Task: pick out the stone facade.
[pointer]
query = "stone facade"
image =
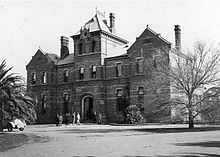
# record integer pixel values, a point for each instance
(101, 71)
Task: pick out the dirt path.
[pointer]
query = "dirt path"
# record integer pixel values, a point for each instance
(127, 141)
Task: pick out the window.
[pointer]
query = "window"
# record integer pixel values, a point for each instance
(140, 90)
(66, 75)
(33, 78)
(140, 65)
(119, 93)
(44, 104)
(93, 46)
(44, 77)
(81, 73)
(80, 48)
(65, 97)
(93, 71)
(118, 69)
(147, 40)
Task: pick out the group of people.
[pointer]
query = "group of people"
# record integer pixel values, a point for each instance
(68, 119)
(75, 118)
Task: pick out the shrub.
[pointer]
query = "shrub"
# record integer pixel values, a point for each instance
(133, 115)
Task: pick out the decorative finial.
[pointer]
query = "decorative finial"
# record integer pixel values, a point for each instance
(96, 8)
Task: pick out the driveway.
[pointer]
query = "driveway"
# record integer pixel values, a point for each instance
(109, 141)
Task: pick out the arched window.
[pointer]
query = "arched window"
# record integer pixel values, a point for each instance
(93, 46)
(80, 48)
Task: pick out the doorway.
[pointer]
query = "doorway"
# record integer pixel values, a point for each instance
(87, 107)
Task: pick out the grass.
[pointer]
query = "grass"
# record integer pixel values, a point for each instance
(10, 141)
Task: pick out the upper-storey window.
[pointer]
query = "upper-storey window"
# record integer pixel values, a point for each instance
(119, 92)
(81, 73)
(93, 46)
(118, 69)
(44, 77)
(93, 71)
(65, 96)
(140, 90)
(66, 75)
(33, 78)
(140, 65)
(80, 48)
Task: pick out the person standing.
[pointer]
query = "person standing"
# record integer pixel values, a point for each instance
(74, 117)
(57, 120)
(78, 118)
(94, 117)
(99, 118)
(60, 120)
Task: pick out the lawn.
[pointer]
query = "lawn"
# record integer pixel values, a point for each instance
(10, 141)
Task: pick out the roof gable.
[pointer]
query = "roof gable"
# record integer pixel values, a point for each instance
(42, 57)
(148, 36)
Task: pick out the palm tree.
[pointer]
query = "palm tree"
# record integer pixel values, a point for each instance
(21, 104)
(14, 101)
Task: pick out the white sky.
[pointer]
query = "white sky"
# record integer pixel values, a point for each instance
(26, 25)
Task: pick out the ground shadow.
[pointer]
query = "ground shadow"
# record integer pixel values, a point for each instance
(176, 130)
(83, 156)
(201, 144)
(80, 131)
(10, 141)
(143, 130)
(181, 155)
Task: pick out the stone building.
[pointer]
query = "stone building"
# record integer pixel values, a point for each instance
(102, 74)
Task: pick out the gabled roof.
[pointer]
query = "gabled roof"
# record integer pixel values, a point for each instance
(66, 60)
(159, 36)
(53, 57)
(50, 56)
(97, 23)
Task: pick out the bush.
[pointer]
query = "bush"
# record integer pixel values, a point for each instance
(133, 115)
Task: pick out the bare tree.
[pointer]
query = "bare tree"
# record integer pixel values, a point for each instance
(188, 73)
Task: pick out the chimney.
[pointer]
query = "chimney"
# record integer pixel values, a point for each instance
(64, 51)
(177, 37)
(112, 23)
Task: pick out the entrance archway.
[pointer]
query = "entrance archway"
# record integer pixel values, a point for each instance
(87, 107)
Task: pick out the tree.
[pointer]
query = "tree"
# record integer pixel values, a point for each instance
(188, 73)
(14, 101)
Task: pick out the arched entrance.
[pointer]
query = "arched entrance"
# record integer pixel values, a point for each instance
(87, 107)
